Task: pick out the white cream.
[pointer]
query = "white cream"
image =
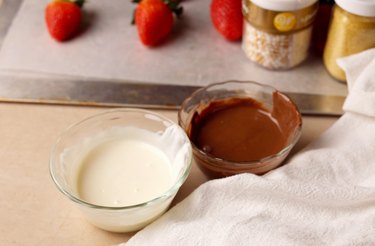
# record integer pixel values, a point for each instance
(124, 172)
(122, 166)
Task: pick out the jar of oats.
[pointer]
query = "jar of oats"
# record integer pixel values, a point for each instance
(352, 30)
(277, 33)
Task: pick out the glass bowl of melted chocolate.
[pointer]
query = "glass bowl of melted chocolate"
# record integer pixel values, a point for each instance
(238, 127)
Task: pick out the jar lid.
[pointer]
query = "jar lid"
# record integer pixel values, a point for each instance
(358, 7)
(284, 5)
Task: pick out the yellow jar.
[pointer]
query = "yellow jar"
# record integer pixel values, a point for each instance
(352, 30)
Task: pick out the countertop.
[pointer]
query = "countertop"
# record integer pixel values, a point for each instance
(33, 211)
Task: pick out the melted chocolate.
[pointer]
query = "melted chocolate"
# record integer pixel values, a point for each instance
(239, 130)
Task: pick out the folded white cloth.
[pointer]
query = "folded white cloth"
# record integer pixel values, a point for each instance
(361, 82)
(325, 195)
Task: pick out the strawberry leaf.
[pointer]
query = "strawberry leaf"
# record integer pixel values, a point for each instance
(79, 2)
(133, 18)
(173, 5)
(133, 15)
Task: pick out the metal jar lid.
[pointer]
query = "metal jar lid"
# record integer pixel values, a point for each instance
(284, 5)
(284, 20)
(359, 7)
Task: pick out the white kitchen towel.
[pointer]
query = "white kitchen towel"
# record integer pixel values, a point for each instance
(325, 195)
(108, 48)
(361, 82)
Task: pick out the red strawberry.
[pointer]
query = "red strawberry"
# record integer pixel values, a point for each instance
(154, 20)
(226, 15)
(63, 18)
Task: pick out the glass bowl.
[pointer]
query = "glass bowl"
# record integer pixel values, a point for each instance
(279, 105)
(66, 161)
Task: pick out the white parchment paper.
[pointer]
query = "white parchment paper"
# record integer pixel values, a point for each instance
(108, 48)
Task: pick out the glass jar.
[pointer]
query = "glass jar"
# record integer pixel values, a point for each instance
(352, 30)
(277, 33)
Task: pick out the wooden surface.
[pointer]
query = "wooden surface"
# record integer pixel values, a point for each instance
(33, 211)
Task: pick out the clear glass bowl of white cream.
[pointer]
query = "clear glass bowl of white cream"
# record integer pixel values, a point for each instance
(121, 167)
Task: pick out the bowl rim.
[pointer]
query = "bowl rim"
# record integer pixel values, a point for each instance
(220, 161)
(171, 191)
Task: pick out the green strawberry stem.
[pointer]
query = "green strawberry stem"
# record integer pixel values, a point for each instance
(173, 5)
(78, 2)
(133, 18)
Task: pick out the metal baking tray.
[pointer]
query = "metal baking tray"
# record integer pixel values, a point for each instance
(73, 91)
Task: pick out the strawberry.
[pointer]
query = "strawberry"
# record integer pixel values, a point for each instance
(226, 16)
(154, 19)
(63, 18)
